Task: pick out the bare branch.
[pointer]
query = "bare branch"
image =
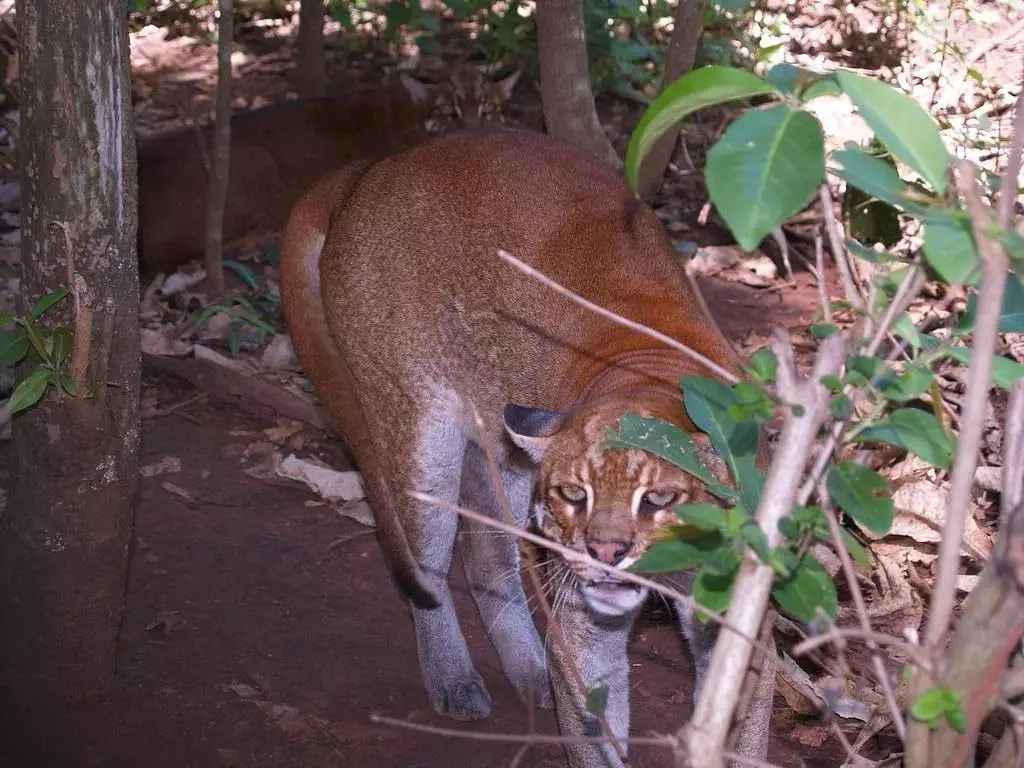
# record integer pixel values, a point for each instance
(572, 554)
(990, 301)
(835, 241)
(703, 738)
(862, 613)
(693, 354)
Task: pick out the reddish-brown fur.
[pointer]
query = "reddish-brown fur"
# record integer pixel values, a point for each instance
(421, 230)
(277, 153)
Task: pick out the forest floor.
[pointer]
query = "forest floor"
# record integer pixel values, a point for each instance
(262, 629)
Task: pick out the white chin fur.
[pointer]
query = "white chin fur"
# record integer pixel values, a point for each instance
(612, 599)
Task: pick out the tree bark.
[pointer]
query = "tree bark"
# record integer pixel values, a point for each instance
(312, 69)
(565, 93)
(64, 536)
(220, 161)
(682, 52)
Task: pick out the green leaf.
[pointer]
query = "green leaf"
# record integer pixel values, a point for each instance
(13, 347)
(826, 86)
(855, 549)
(30, 391)
(764, 365)
(874, 176)
(68, 384)
(901, 124)
(937, 703)
(756, 540)
(695, 90)
(808, 588)
(905, 328)
(35, 337)
(597, 699)
(1011, 320)
(1005, 372)
(916, 431)
(949, 245)
(47, 300)
(668, 442)
(913, 382)
(764, 169)
(244, 272)
(678, 553)
(63, 342)
(823, 330)
(706, 517)
(714, 590)
(708, 403)
(864, 494)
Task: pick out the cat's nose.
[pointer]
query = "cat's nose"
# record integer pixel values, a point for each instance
(609, 552)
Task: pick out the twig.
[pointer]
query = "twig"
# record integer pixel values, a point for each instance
(572, 554)
(986, 332)
(1008, 189)
(531, 572)
(522, 738)
(609, 315)
(835, 242)
(869, 635)
(532, 739)
(819, 261)
(862, 613)
(704, 736)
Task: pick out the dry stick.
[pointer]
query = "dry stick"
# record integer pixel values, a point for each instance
(703, 738)
(994, 265)
(819, 260)
(839, 633)
(862, 614)
(835, 242)
(572, 554)
(540, 738)
(553, 626)
(608, 314)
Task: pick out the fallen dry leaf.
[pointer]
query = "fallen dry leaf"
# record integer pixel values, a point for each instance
(168, 465)
(327, 483)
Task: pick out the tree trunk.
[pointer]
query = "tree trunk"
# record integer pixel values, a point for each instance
(220, 161)
(682, 52)
(312, 69)
(64, 536)
(568, 101)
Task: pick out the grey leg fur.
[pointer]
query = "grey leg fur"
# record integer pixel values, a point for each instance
(492, 562)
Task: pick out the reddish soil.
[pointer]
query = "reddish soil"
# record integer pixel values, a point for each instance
(259, 634)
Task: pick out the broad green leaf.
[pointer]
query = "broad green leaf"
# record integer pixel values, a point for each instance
(901, 124)
(826, 86)
(68, 383)
(764, 169)
(949, 245)
(63, 341)
(706, 517)
(714, 590)
(47, 300)
(864, 494)
(30, 391)
(13, 347)
(874, 176)
(597, 699)
(787, 77)
(905, 328)
(756, 540)
(1005, 372)
(764, 365)
(808, 588)
(668, 442)
(937, 703)
(913, 382)
(244, 272)
(678, 553)
(916, 431)
(695, 90)
(708, 403)
(35, 337)
(1011, 320)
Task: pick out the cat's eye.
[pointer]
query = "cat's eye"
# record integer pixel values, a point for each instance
(657, 500)
(573, 494)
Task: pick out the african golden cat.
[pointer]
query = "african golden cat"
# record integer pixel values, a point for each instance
(279, 151)
(404, 315)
